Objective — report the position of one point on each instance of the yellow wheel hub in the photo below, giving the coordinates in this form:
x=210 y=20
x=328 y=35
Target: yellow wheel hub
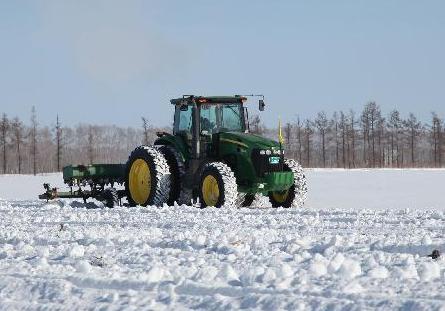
x=210 y=190
x=280 y=196
x=139 y=181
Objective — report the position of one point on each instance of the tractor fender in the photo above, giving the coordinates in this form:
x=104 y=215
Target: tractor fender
x=174 y=142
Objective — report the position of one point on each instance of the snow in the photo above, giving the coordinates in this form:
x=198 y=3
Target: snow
x=361 y=242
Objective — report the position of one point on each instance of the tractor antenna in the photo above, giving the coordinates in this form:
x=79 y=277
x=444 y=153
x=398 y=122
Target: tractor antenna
x=251 y=95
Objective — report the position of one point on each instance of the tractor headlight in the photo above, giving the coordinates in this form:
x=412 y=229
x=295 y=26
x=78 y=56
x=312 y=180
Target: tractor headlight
x=268 y=152
x=262 y=152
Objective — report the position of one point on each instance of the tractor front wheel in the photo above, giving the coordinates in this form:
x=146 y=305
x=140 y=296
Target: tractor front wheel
x=147 y=177
x=218 y=186
x=296 y=194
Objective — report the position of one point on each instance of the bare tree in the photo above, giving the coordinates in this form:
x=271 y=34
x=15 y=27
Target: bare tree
x=145 y=129
x=414 y=127
x=371 y=117
x=33 y=136
x=364 y=123
x=352 y=135
x=436 y=135
x=18 y=135
x=321 y=122
x=288 y=133
x=344 y=130
x=4 y=129
x=256 y=126
x=308 y=133
x=299 y=148
x=395 y=127
x=90 y=142
x=58 y=130
x=335 y=126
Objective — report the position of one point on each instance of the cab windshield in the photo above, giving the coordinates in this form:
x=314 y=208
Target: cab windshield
x=214 y=118
x=217 y=118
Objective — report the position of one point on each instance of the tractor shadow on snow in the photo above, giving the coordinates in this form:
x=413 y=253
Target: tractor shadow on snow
x=87 y=205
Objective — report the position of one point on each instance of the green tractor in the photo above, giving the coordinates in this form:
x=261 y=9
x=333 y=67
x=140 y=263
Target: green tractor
x=213 y=159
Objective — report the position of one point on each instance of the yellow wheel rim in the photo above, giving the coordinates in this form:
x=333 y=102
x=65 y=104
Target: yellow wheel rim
x=140 y=181
x=210 y=190
x=280 y=196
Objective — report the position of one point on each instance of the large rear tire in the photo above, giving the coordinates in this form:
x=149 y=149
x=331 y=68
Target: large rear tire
x=147 y=177
x=296 y=195
x=177 y=171
x=218 y=186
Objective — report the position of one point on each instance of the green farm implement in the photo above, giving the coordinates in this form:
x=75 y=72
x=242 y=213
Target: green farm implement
x=211 y=158
x=90 y=181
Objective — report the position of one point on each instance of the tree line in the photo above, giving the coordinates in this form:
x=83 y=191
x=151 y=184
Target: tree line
x=32 y=148
x=368 y=139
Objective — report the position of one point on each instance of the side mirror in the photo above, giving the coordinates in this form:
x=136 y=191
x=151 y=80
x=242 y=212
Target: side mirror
x=261 y=105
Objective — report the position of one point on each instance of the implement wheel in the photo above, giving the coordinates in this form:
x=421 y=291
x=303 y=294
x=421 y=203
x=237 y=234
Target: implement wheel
x=110 y=197
x=296 y=194
x=218 y=186
x=147 y=177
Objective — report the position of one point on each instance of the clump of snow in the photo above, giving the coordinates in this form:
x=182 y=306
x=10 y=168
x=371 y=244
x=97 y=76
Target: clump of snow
x=427 y=240
x=429 y=271
x=379 y=272
x=269 y=276
x=206 y=274
x=155 y=274
x=83 y=266
x=336 y=240
x=42 y=262
x=285 y=271
x=43 y=251
x=318 y=268
x=408 y=271
x=353 y=287
x=336 y=263
x=76 y=251
x=200 y=240
x=350 y=269
x=227 y=273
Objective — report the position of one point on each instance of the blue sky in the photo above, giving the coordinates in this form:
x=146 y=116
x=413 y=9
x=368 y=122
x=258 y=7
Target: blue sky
x=111 y=62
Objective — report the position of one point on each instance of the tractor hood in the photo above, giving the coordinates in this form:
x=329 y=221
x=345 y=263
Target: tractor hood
x=248 y=140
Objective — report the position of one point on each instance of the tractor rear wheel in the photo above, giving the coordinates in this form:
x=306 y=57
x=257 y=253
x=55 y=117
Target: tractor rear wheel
x=147 y=177
x=296 y=194
x=177 y=171
x=218 y=186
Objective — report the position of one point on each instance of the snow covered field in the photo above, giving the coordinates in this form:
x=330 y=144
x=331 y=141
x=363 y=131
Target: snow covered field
x=361 y=242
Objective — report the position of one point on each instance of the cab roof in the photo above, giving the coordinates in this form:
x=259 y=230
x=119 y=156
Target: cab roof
x=208 y=99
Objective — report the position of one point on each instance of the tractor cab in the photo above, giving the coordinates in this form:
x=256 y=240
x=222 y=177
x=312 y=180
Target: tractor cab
x=209 y=115
x=198 y=119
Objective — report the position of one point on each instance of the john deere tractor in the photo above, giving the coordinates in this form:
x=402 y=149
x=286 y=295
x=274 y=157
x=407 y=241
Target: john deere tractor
x=212 y=158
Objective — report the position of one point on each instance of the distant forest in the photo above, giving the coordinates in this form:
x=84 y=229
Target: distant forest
x=367 y=139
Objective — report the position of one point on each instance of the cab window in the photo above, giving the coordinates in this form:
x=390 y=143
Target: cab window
x=184 y=119
x=208 y=119
x=232 y=118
